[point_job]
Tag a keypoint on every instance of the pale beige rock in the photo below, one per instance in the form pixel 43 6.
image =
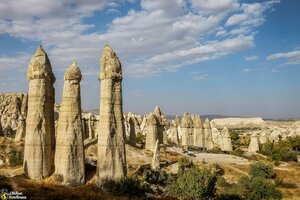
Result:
pixel 198 132
pixel 151 132
pixel 21 130
pixel 187 130
pixel 253 146
pixel 236 122
pixel 161 125
pixel 132 132
pixel 208 143
pixel 40 133
pixel 69 153
pixel 155 159
pixel 173 132
pixel 111 163
pixel 227 145
pixel 263 138
pixel 1 130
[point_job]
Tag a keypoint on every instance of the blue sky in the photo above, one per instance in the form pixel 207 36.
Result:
pixel 225 57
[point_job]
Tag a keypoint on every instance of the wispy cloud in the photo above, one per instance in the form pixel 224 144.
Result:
pixel 292 57
pixel 198 76
pixel 251 58
pixel 162 36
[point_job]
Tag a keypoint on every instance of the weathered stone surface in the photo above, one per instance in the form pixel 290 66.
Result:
pixel 161 125
pixel 198 132
pixel 226 140
pixel 111 145
pixel 1 130
pixel 132 132
pixel 40 135
pixel 187 130
pixel 173 133
pixel 155 159
pixel 151 132
pixel 253 146
pixel 21 130
pixel 69 153
pixel 235 122
pixel 12 105
pixel 208 143
pixel 89 123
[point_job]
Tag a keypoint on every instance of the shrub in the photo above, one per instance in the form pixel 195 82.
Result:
pixel 295 142
pixel 237 152
pixel 194 183
pixel 280 183
pixel 255 188
pixel 235 137
pixel 140 138
pixel 263 170
pixel 127 185
pixel 158 177
pixel 216 150
pixel 15 157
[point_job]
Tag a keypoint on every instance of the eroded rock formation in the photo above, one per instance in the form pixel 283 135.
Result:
pixel 208 142
pixel 198 132
pixel 69 154
pixel 40 132
pixel 111 146
pixel 155 159
pixel 187 130
pixel 151 132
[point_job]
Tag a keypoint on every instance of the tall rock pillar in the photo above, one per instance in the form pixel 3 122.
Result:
pixel 111 145
pixel 198 132
pixel 69 154
pixel 187 130
pixel 40 131
pixel 151 132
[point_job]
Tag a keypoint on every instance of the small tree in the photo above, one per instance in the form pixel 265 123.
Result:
pixel 194 183
pixel 261 169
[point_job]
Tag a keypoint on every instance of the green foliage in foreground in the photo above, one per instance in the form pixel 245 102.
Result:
pixel 127 185
pixel 255 188
pixel 261 169
pixel 283 150
pixel 193 183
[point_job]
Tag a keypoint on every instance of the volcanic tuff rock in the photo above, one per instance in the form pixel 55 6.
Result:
pixel 69 153
pixel 155 160
pixel 111 145
pixel 151 131
pixel 40 132
pixel 187 130
pixel 198 132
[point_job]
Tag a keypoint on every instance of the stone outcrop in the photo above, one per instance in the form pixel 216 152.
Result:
pixel 253 146
pixel 208 142
pixel 1 130
pixel 132 131
pixel 187 130
pixel 89 125
pixel 40 133
pixel 12 106
pixel 173 133
pixel 226 140
pixel 69 153
pixel 235 122
pixel 155 159
pixel 21 130
pixel 111 145
pixel 161 125
pixel 151 132
pixel 198 132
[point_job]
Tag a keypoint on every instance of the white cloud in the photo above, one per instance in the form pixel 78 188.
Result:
pixel 293 57
pixel 251 58
pixel 162 37
pixel 198 76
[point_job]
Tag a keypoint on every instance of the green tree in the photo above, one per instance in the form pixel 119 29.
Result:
pixel 261 169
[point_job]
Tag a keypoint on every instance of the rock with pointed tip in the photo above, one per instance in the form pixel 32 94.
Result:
pixel 111 137
pixel 40 131
pixel 151 131
pixel 208 142
pixel 155 159
pixel 69 153
pixel 187 130
pixel 227 145
pixel 198 132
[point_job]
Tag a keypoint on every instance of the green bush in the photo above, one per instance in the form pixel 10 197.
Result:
pixel 194 183
pixel 216 149
pixel 127 185
pixel 237 152
pixel 140 138
pixel 295 143
pixel 261 169
pixel 281 151
pixel 255 188
pixel 158 177
pixel 15 157
pixel 235 137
